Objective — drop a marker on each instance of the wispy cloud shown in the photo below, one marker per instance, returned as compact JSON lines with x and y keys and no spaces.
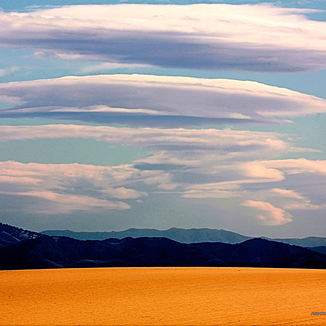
{"x":50,"y":202}
{"x":203,"y":36}
{"x":194,"y":163}
{"x":269,"y":214}
{"x":8,"y":71}
{"x":294,"y":200}
{"x":63,"y":188}
{"x":170,"y":146}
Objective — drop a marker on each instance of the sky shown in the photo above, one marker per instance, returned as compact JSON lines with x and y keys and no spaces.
{"x":158,"y":114}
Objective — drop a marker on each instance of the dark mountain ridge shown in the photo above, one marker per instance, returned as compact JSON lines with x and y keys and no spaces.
{"x":180,"y":235}
{"x":42,"y":251}
{"x":183,"y":235}
{"x":308,"y":242}
{"x":320,"y":249}
{"x":10,"y":235}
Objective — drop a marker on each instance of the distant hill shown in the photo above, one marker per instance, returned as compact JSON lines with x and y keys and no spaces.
{"x":20,"y":249}
{"x":10,"y":235}
{"x":321,"y":249}
{"x":308,"y":242}
{"x":182,"y":235}
{"x":57,"y":252}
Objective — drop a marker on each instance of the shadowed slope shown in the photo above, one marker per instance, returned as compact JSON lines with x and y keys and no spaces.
{"x":47,"y":252}
{"x":10,"y":235}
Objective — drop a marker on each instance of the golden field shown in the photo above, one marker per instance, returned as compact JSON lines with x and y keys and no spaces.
{"x":163,"y":296}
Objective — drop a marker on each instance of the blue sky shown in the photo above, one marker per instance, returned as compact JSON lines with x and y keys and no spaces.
{"x":137,"y":115}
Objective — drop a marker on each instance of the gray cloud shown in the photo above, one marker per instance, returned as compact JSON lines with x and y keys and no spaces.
{"x":202,"y":36}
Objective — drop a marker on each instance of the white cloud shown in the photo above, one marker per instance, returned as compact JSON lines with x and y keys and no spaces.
{"x":288,"y":193}
{"x":269,"y":214}
{"x":203,"y":36}
{"x":190,"y":147}
{"x":193,"y":163}
{"x":294,"y":166}
{"x":63,"y":188}
{"x":157,"y":100}
{"x":294,"y":200}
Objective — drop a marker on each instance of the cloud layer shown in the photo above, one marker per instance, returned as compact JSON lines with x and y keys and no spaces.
{"x":206,"y":164}
{"x":244,"y":173}
{"x":142,"y":100}
{"x":203,"y":36}
{"x":240,"y":166}
{"x":64,"y":188}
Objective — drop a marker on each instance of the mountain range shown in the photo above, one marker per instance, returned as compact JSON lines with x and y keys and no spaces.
{"x":36,"y":250}
{"x":183,"y":235}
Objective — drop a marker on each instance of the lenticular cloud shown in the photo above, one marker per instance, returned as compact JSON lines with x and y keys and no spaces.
{"x":156,"y":100}
{"x":203,"y":36}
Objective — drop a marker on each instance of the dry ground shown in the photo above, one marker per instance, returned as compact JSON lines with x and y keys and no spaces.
{"x":163,"y":296}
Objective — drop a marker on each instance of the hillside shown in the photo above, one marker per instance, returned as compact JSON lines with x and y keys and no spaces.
{"x":183,"y":235}
{"x":56,"y":252}
{"x":23,"y":249}
{"x":176,"y":234}
{"x":10,"y":235}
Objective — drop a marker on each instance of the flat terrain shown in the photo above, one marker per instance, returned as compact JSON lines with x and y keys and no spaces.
{"x":163,"y":296}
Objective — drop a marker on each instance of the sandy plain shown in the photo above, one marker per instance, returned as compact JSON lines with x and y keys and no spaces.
{"x":163,"y":296}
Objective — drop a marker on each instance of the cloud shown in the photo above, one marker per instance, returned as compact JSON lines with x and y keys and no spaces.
{"x":203,"y":36}
{"x":172,"y":152}
{"x":172,"y":148}
{"x":290,"y":166}
{"x":63,"y":188}
{"x":255,"y":186}
{"x":112,"y":66}
{"x":142,"y":100}
{"x":295,"y":201}
{"x":212,"y":164}
{"x":8,"y":71}
{"x":50,"y":202}
{"x":269,"y":214}
{"x":213,"y":190}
